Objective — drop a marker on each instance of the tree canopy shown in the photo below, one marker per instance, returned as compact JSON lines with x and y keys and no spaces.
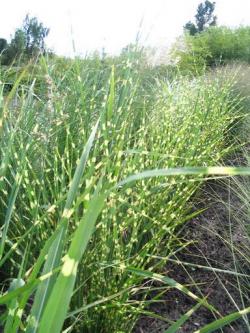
{"x":3,"y":44}
{"x":27,"y":42}
{"x":204,"y":18}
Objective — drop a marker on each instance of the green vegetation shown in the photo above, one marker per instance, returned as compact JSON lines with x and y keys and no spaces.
{"x":27,"y":43}
{"x":100,"y":163}
{"x":204,"y":18}
{"x":214,"y":46}
{"x":46,"y":200}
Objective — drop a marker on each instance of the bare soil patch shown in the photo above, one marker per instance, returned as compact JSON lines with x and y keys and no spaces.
{"x":209,"y":231}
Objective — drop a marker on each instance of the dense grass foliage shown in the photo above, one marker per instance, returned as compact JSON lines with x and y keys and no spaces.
{"x":214,"y":46}
{"x":70,"y":132}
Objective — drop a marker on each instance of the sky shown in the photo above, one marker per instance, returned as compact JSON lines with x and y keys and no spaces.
{"x":91,"y":25}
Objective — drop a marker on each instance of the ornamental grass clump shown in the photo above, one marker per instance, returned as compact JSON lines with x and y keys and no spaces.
{"x":72,"y":229}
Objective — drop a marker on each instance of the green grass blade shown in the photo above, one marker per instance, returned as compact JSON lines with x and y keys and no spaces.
{"x":172,"y":283}
{"x":98,"y":302}
{"x":175,"y":327}
{"x":111,"y":98}
{"x":54,"y":314}
{"x":9,"y":296}
{"x":187,"y":171}
{"x":223,"y":321}
{"x":10,"y":96}
{"x":8,"y":214}
{"x":12,"y":305}
{"x":55,"y":251}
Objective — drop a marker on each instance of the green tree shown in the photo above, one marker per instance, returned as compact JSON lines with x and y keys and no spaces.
{"x":191,"y":28}
{"x":16,"y":49}
{"x":3,"y":44}
{"x":35,"y":33}
{"x":28,"y":42}
{"x":204,"y":18}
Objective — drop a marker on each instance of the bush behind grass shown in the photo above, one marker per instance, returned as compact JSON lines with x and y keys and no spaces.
{"x":213,"y":47}
{"x":141,"y":126}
